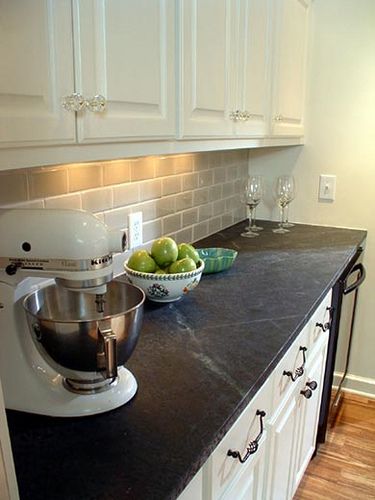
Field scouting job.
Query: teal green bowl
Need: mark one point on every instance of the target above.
(216, 259)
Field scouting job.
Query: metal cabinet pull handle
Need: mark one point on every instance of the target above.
(235, 115)
(312, 384)
(300, 370)
(326, 326)
(307, 393)
(253, 445)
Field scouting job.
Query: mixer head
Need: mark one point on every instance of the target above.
(72, 246)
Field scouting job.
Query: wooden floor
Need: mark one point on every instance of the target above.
(344, 467)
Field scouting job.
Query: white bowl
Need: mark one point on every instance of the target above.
(165, 287)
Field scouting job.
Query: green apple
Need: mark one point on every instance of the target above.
(186, 250)
(164, 251)
(182, 266)
(161, 271)
(142, 261)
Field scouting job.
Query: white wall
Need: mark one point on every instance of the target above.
(340, 140)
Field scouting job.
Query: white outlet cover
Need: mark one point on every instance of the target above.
(135, 231)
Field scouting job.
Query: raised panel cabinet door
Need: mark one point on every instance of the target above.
(36, 72)
(281, 463)
(290, 51)
(125, 52)
(207, 72)
(253, 88)
(308, 410)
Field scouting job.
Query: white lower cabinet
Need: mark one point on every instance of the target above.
(267, 450)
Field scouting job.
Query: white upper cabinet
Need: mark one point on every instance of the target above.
(224, 68)
(252, 50)
(36, 69)
(206, 67)
(289, 69)
(124, 51)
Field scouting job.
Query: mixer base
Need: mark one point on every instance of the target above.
(55, 400)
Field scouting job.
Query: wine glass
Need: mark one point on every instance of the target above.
(252, 194)
(285, 192)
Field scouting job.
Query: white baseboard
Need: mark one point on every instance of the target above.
(362, 386)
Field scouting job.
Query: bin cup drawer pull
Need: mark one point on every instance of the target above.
(300, 370)
(253, 445)
(326, 326)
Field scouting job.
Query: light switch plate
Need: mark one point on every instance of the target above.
(327, 187)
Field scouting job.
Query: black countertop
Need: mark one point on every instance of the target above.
(198, 363)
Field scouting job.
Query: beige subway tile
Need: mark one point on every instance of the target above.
(171, 185)
(214, 225)
(231, 203)
(148, 209)
(164, 166)
(218, 207)
(200, 231)
(13, 187)
(227, 220)
(232, 173)
(46, 182)
(201, 161)
(183, 164)
(205, 178)
(117, 218)
(126, 194)
(185, 235)
(171, 224)
(215, 192)
(189, 181)
(165, 206)
(97, 200)
(142, 168)
(219, 175)
(184, 201)
(215, 159)
(68, 201)
(189, 217)
(204, 212)
(200, 196)
(228, 189)
(85, 176)
(116, 172)
(238, 186)
(152, 230)
(28, 204)
(150, 190)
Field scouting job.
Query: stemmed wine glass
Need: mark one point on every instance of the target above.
(252, 194)
(285, 192)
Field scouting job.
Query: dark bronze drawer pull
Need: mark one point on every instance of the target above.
(311, 386)
(326, 326)
(253, 445)
(300, 370)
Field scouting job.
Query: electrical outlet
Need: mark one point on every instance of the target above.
(327, 187)
(135, 233)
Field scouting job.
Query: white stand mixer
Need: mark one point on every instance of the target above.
(75, 248)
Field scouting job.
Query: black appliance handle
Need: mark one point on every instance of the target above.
(361, 278)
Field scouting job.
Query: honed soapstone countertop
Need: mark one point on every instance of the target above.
(198, 363)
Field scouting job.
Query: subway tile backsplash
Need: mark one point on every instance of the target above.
(185, 196)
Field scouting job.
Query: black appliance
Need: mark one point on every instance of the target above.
(344, 301)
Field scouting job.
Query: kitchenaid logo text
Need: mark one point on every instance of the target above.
(101, 260)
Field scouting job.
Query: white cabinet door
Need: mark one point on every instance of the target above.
(36, 70)
(124, 50)
(283, 440)
(206, 68)
(253, 55)
(289, 69)
(308, 410)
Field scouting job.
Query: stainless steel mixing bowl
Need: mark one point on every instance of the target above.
(67, 327)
